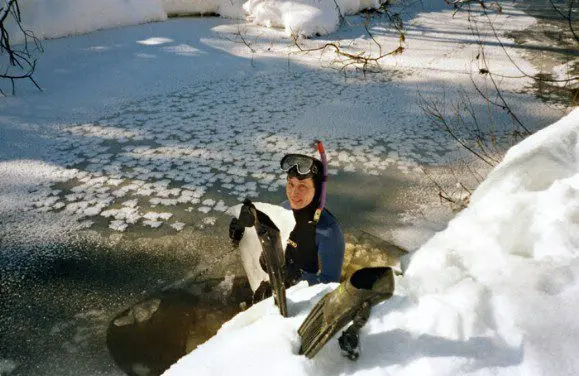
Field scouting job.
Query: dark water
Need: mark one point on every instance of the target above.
(148, 337)
(57, 301)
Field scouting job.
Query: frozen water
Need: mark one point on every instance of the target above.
(178, 226)
(153, 224)
(118, 225)
(175, 147)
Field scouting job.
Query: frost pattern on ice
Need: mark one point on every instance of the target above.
(228, 136)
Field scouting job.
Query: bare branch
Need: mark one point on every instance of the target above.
(359, 58)
(440, 120)
(20, 58)
(568, 17)
(443, 195)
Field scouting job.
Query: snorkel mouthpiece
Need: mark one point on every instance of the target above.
(322, 153)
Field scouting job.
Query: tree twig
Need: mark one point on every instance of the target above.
(22, 58)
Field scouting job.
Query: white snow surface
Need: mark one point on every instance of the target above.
(304, 17)
(495, 293)
(54, 19)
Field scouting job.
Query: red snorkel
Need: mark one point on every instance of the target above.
(320, 208)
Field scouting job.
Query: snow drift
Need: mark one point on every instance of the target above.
(304, 17)
(494, 293)
(54, 19)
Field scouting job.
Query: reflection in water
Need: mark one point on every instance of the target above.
(148, 337)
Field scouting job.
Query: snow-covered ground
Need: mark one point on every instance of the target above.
(495, 293)
(155, 130)
(299, 17)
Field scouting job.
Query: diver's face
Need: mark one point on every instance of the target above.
(300, 193)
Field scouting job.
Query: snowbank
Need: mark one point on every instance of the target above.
(507, 268)
(54, 19)
(495, 293)
(304, 17)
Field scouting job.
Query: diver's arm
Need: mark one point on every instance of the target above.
(330, 242)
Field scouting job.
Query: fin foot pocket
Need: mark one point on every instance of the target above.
(352, 300)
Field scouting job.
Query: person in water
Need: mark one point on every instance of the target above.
(315, 248)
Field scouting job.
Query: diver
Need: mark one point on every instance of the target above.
(314, 253)
(315, 249)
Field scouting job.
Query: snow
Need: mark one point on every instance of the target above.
(53, 19)
(495, 293)
(304, 17)
(225, 8)
(50, 19)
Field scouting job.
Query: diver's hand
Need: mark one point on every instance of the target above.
(293, 274)
(246, 215)
(246, 219)
(236, 231)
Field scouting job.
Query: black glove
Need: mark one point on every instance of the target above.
(246, 217)
(236, 231)
(293, 274)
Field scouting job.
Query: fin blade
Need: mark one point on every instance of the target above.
(270, 241)
(365, 288)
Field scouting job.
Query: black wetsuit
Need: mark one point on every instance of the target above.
(315, 252)
(301, 251)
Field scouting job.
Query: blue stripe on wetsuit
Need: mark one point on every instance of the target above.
(331, 246)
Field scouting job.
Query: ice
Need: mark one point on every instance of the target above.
(118, 225)
(210, 221)
(58, 205)
(109, 213)
(165, 216)
(156, 215)
(7, 366)
(152, 223)
(92, 211)
(163, 201)
(130, 203)
(178, 225)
